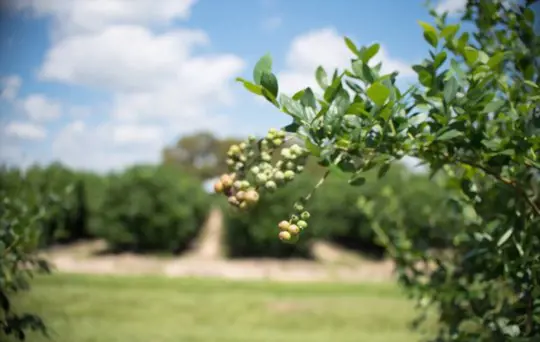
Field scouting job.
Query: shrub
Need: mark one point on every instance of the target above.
(149, 208)
(23, 214)
(473, 115)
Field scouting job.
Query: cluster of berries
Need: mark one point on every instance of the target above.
(290, 230)
(252, 172)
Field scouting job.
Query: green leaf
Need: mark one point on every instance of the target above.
(470, 54)
(292, 107)
(350, 44)
(313, 149)
(322, 77)
(263, 65)
(363, 71)
(378, 93)
(357, 180)
(439, 59)
(254, 88)
(494, 106)
(505, 237)
(370, 52)
(449, 31)
(383, 170)
(291, 128)
(495, 60)
(430, 33)
(270, 82)
(450, 90)
(530, 83)
(450, 134)
(308, 99)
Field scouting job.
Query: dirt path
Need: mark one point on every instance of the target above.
(206, 259)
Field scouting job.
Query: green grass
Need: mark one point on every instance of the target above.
(156, 309)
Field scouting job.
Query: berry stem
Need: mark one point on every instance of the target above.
(319, 183)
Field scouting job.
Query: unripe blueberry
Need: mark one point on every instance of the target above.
(233, 201)
(242, 146)
(251, 196)
(294, 229)
(218, 187)
(251, 138)
(277, 142)
(296, 149)
(245, 185)
(285, 153)
(266, 156)
(302, 224)
(239, 166)
(264, 142)
(280, 134)
(305, 216)
(289, 175)
(243, 205)
(230, 162)
(279, 176)
(237, 184)
(251, 154)
(242, 158)
(290, 165)
(270, 185)
(272, 131)
(298, 206)
(284, 225)
(226, 180)
(284, 235)
(240, 195)
(294, 218)
(234, 149)
(261, 178)
(299, 168)
(255, 169)
(279, 164)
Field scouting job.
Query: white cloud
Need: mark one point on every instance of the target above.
(272, 23)
(77, 16)
(327, 48)
(136, 134)
(10, 86)
(451, 6)
(25, 131)
(38, 107)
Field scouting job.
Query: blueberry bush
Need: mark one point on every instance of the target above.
(474, 117)
(149, 208)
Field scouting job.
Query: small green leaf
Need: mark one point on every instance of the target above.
(495, 60)
(505, 237)
(291, 128)
(450, 90)
(357, 180)
(449, 31)
(450, 134)
(383, 170)
(270, 82)
(263, 65)
(470, 54)
(322, 77)
(254, 88)
(494, 106)
(370, 52)
(378, 93)
(439, 59)
(308, 99)
(313, 149)
(430, 33)
(350, 44)
(531, 83)
(292, 107)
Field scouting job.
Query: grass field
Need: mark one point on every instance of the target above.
(93, 308)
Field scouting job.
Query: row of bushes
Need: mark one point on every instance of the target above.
(159, 209)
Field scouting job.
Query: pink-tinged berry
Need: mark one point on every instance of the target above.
(218, 187)
(284, 236)
(294, 229)
(251, 196)
(284, 225)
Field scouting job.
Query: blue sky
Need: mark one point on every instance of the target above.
(103, 84)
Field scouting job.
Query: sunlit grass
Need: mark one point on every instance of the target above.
(157, 309)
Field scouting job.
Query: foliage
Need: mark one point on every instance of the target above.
(22, 216)
(474, 115)
(149, 208)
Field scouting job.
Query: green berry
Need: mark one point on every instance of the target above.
(280, 134)
(279, 176)
(245, 185)
(242, 158)
(294, 229)
(277, 142)
(261, 178)
(238, 166)
(299, 168)
(243, 205)
(298, 206)
(290, 165)
(305, 216)
(296, 149)
(279, 164)
(302, 224)
(289, 175)
(230, 162)
(286, 153)
(251, 138)
(242, 146)
(270, 185)
(234, 149)
(294, 218)
(255, 170)
(284, 236)
(266, 156)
